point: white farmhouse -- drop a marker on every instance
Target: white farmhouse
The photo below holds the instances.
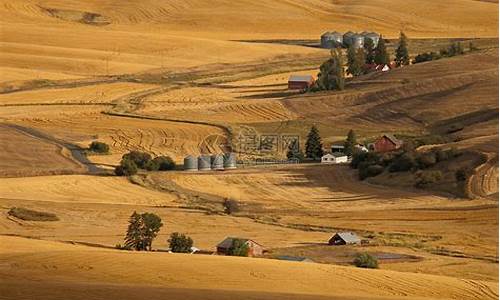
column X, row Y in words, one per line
column 334, row 158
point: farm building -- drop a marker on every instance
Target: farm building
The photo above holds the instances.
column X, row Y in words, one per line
column 344, row 238
column 386, row 143
column 254, row 248
column 337, row 149
column 334, row 158
column 331, row 40
column 300, row 82
column 370, row 68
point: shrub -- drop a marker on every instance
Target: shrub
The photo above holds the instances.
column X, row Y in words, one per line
column 452, row 153
column 368, row 157
column 165, row 163
column 427, row 160
column 366, row 170
column 238, row 248
column 152, row 165
column 439, row 154
column 427, row 56
column 126, row 168
column 180, row 243
column 365, row 260
column 427, row 178
column 402, row 163
column 99, row 147
column 230, row 206
column 32, row 215
column 139, row 158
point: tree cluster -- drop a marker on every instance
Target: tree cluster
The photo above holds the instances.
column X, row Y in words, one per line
column 365, row 260
column 99, row 147
column 180, row 243
column 135, row 160
column 331, row 74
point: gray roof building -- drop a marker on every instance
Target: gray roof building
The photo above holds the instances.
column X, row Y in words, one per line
column 344, row 238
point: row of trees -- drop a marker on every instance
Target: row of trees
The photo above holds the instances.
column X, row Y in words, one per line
column 143, row 229
column 135, row 160
column 314, row 146
column 454, row 49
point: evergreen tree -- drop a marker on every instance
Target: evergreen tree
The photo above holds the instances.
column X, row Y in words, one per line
column 133, row 238
column 350, row 143
column 314, row 145
column 402, row 56
column 331, row 75
column 294, row 151
column 381, row 55
column 369, row 47
column 355, row 61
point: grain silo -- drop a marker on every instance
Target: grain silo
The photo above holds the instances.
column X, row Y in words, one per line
column 190, row 163
column 204, row 163
column 358, row 41
column 229, row 161
column 331, row 40
column 217, row 162
column 347, row 38
column 375, row 37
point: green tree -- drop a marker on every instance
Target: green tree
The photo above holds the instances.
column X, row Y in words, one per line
column 180, row 243
column 139, row 158
column 381, row 55
column 152, row 225
column 355, row 61
column 294, row 151
column 142, row 230
column 402, row 55
column 99, row 147
column 350, row 143
column 126, row 168
column 239, row 247
column 314, row 145
column 133, row 237
column 165, row 163
column 331, row 73
column 369, row 47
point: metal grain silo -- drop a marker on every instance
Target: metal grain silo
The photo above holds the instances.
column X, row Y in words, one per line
column 347, row 38
column 375, row 37
column 204, row 163
column 331, row 40
column 358, row 41
column 217, row 162
column 229, row 161
column 190, row 163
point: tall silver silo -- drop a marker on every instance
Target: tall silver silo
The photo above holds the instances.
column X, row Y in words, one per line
column 229, row 161
column 358, row 41
column 204, row 163
column 347, row 38
column 190, row 163
column 325, row 40
column 375, row 37
column 217, row 162
column 331, row 40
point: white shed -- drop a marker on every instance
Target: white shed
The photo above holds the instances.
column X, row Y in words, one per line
column 334, row 158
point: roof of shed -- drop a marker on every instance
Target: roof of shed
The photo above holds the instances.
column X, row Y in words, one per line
column 348, row 237
column 304, row 78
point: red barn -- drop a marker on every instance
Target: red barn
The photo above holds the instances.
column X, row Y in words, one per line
column 387, row 143
column 300, row 82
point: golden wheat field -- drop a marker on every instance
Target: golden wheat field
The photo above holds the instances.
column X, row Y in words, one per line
column 195, row 77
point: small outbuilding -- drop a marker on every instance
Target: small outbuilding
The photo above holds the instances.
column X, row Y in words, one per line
column 387, row 143
column 254, row 248
column 300, row 82
column 334, row 158
column 345, row 238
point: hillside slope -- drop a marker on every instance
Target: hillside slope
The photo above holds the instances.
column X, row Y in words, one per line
column 72, row 266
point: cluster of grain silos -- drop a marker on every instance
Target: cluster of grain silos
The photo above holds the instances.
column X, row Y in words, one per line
column 205, row 162
column 335, row 39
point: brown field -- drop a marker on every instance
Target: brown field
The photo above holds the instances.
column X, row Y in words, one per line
column 189, row 77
